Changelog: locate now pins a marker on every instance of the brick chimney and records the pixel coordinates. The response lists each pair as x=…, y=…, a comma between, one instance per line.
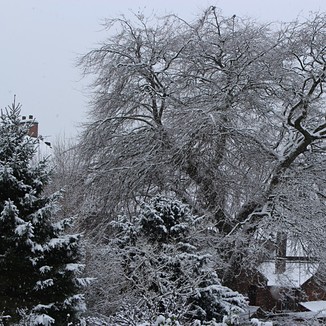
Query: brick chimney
x=281, y=244
x=33, y=130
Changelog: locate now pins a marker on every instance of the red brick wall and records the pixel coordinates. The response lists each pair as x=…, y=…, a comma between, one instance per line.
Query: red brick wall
x=33, y=130
x=313, y=290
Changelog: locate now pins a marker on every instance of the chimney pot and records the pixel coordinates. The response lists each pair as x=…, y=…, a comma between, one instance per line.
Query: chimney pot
x=280, y=262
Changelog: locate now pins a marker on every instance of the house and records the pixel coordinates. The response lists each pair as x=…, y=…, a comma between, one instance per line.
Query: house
x=33, y=130
x=288, y=281
x=43, y=149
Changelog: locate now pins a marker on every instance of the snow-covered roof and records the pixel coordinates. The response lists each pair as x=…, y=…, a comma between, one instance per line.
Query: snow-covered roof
x=296, y=273
x=315, y=306
x=43, y=150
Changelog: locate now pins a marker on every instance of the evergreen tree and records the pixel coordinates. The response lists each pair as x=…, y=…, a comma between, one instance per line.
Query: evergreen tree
x=167, y=273
x=39, y=263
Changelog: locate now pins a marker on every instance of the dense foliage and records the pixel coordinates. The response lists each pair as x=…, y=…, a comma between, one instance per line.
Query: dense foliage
x=163, y=272
x=39, y=262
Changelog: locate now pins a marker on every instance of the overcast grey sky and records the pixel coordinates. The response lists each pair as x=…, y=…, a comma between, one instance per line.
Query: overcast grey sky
x=41, y=39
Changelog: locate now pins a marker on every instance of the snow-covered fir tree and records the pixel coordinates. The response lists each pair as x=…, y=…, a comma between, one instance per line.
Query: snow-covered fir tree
x=165, y=273
x=39, y=262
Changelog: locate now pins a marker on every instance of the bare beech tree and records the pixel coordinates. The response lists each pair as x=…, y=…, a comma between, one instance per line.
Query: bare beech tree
x=226, y=114
x=292, y=197
x=136, y=74
x=164, y=110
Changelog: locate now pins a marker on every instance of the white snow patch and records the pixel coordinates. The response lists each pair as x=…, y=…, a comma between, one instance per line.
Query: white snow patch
x=315, y=306
x=160, y=320
x=40, y=307
x=42, y=151
x=40, y=285
x=22, y=229
x=72, y=267
x=37, y=247
x=45, y=269
x=257, y=322
x=43, y=319
x=85, y=281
